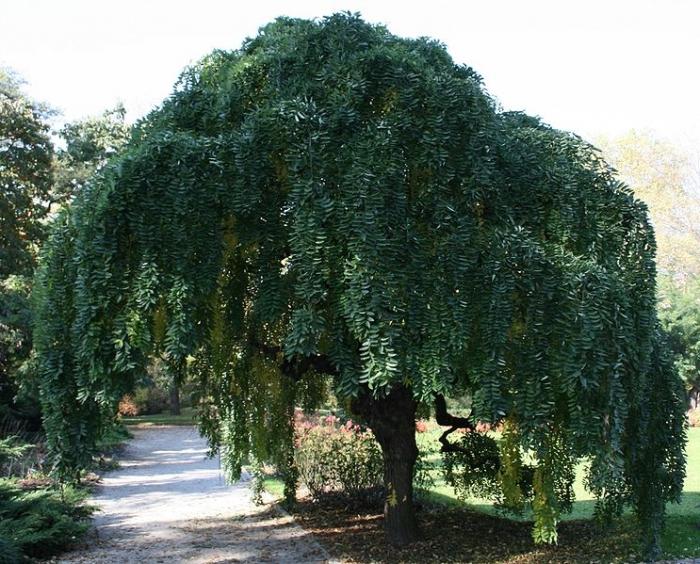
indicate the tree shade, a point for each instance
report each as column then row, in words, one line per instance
column 334, row 200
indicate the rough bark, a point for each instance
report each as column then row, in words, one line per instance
column 392, row 420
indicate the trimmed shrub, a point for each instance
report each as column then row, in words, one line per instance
column 9, row 552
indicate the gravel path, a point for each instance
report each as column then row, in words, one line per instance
column 169, row 503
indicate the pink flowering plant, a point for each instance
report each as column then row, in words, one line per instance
column 335, row 456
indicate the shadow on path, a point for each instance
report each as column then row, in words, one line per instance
column 168, row 502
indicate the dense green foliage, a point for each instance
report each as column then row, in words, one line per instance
column 41, row 523
column 26, row 152
column 474, row 472
column 89, row 143
column 332, row 198
column 18, row 395
column 34, row 178
column 679, row 312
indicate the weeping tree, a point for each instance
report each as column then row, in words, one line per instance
column 332, row 201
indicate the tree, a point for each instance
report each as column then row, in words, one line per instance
column 25, row 175
column 665, row 177
column 26, row 152
column 89, row 143
column 33, row 177
column 18, row 398
column 679, row 312
column 334, row 200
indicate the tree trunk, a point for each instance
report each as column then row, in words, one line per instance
column 393, row 422
column 174, row 399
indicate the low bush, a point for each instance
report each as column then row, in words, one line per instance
column 21, row 451
column 128, row 407
column 339, row 458
column 12, row 448
column 39, row 523
column 473, row 472
column 150, row 400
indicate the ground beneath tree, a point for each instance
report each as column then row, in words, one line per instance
column 354, row 534
column 169, row 503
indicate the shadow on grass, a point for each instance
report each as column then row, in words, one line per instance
column 581, row 509
column 681, row 538
column 461, row 534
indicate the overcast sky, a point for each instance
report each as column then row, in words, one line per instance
column 591, row 66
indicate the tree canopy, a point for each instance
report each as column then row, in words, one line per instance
column 25, row 175
column 26, row 154
column 89, row 143
column 334, row 200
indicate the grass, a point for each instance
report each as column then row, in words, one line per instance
column 274, row 486
column 682, row 535
column 114, row 438
column 681, row 538
column 185, row 418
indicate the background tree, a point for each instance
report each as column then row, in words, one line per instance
column 332, row 199
column 26, row 153
column 88, row 145
column 34, row 177
column 679, row 311
column 25, row 175
column 666, row 178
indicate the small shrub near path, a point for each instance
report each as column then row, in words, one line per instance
column 335, row 457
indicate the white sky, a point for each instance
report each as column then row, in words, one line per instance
column 591, row 66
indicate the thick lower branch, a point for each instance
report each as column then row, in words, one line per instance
column 444, row 418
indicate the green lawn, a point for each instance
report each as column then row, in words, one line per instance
column 682, row 535
column 275, row 486
column 185, row 418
